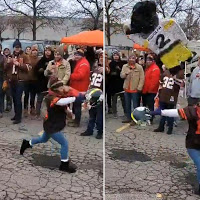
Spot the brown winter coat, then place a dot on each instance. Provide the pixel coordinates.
(21, 71)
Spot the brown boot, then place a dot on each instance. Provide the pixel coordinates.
(25, 112)
(33, 112)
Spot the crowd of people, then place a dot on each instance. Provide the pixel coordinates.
(61, 80)
(25, 79)
(139, 81)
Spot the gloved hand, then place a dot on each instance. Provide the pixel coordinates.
(80, 98)
(101, 98)
(156, 112)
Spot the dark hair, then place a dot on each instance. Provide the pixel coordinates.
(28, 47)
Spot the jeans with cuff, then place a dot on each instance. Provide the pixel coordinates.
(131, 102)
(195, 156)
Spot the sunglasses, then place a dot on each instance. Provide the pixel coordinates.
(132, 58)
(150, 59)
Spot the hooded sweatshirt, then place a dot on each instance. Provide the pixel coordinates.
(194, 87)
(18, 73)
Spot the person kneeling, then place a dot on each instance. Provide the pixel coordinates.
(95, 97)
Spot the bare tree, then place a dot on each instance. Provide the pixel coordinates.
(37, 11)
(115, 12)
(20, 24)
(187, 13)
(91, 11)
(191, 27)
(3, 25)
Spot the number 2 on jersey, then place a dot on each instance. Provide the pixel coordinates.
(161, 38)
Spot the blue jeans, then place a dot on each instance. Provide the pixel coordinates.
(131, 99)
(1, 96)
(17, 89)
(58, 137)
(170, 120)
(30, 88)
(96, 117)
(40, 97)
(77, 106)
(195, 156)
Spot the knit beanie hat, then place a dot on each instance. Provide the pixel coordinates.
(55, 83)
(48, 47)
(17, 43)
(115, 52)
(34, 47)
(79, 52)
(60, 50)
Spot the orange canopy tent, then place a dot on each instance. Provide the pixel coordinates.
(140, 48)
(87, 38)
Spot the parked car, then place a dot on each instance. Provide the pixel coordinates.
(25, 43)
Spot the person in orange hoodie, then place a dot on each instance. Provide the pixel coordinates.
(79, 80)
(151, 82)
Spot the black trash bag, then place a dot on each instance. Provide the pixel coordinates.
(144, 18)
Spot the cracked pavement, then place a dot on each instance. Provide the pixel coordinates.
(143, 165)
(36, 176)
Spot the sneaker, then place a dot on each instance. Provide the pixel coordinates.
(86, 134)
(68, 167)
(99, 136)
(1, 115)
(25, 145)
(158, 130)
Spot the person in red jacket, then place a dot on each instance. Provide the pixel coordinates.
(151, 83)
(79, 80)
